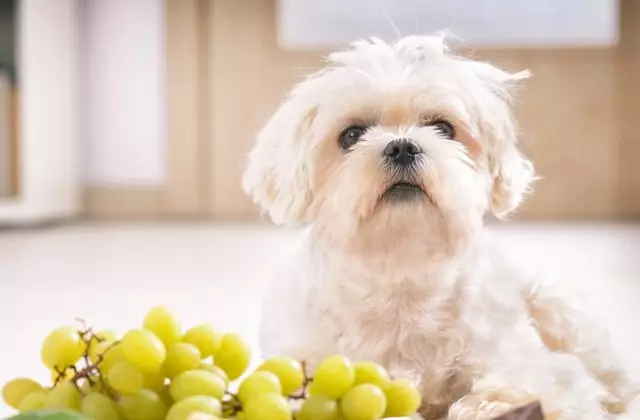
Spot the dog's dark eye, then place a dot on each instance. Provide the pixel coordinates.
(444, 127)
(350, 136)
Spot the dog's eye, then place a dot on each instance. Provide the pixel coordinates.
(350, 136)
(444, 127)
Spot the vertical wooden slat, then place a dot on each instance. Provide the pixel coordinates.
(184, 192)
(628, 110)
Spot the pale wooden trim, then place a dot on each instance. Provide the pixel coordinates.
(15, 144)
(124, 202)
(184, 193)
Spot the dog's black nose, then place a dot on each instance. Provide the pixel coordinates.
(402, 152)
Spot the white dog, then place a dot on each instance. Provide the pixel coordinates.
(392, 157)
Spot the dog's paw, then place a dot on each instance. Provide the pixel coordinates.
(489, 404)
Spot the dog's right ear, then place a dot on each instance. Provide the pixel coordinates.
(278, 173)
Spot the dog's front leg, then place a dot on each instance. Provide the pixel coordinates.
(565, 392)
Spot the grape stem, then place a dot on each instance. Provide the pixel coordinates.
(305, 384)
(232, 405)
(88, 337)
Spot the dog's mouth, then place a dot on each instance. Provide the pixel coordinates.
(404, 191)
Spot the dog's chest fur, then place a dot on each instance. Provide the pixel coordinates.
(407, 321)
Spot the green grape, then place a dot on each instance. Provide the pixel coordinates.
(143, 404)
(155, 381)
(15, 390)
(311, 390)
(181, 357)
(214, 369)
(33, 401)
(125, 378)
(164, 325)
(371, 373)
(62, 347)
(233, 356)
(363, 402)
(99, 407)
(333, 377)
(197, 382)
(64, 395)
(258, 383)
(403, 398)
(91, 384)
(204, 338)
(318, 407)
(107, 354)
(196, 404)
(106, 335)
(288, 371)
(144, 350)
(268, 407)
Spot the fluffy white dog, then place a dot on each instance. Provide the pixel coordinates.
(392, 157)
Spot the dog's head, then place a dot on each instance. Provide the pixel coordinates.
(390, 139)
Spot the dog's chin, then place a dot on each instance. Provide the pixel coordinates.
(404, 192)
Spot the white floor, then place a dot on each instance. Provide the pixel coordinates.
(111, 274)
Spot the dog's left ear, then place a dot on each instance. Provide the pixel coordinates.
(513, 174)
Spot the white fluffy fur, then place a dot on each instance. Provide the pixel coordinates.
(415, 285)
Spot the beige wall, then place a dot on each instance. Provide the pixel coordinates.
(578, 113)
(226, 76)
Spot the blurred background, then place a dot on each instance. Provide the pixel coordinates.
(124, 126)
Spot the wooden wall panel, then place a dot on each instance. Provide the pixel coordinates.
(578, 113)
(628, 111)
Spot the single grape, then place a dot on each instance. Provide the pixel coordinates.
(371, 373)
(61, 348)
(99, 407)
(90, 384)
(318, 407)
(33, 401)
(15, 390)
(181, 357)
(204, 338)
(403, 398)
(268, 407)
(125, 378)
(214, 369)
(288, 371)
(363, 402)
(144, 350)
(311, 390)
(259, 382)
(107, 354)
(106, 335)
(233, 356)
(64, 395)
(196, 404)
(143, 404)
(164, 325)
(68, 374)
(197, 382)
(333, 377)
(155, 381)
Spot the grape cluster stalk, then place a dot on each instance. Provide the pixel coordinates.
(160, 372)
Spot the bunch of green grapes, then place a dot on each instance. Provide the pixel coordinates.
(159, 372)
